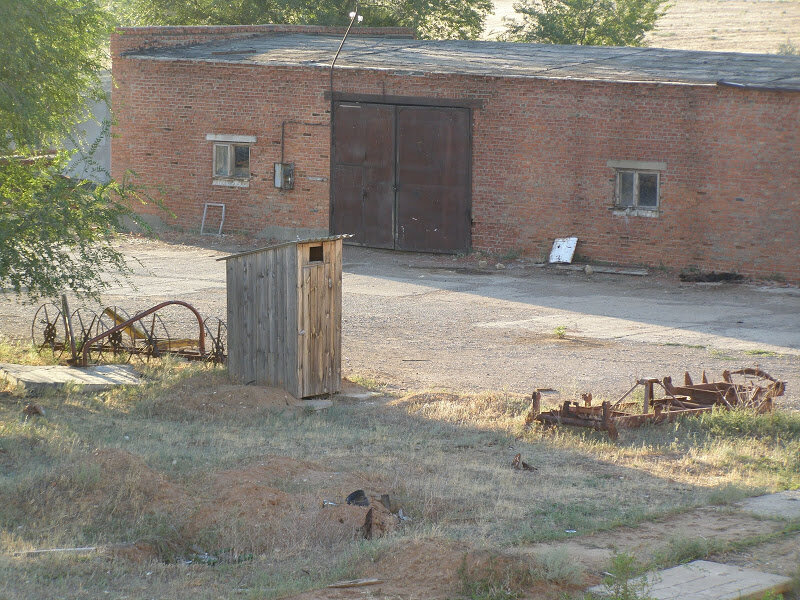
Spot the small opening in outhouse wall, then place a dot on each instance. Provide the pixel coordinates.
(315, 254)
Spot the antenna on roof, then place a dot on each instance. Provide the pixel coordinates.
(353, 17)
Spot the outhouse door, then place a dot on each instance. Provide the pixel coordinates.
(401, 176)
(319, 318)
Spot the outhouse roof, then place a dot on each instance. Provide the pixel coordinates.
(503, 59)
(316, 240)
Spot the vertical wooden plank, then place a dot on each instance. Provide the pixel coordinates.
(336, 315)
(317, 314)
(240, 319)
(258, 324)
(292, 329)
(248, 322)
(305, 332)
(295, 311)
(280, 316)
(326, 310)
(269, 318)
(232, 294)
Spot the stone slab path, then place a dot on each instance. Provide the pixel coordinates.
(784, 505)
(704, 580)
(36, 380)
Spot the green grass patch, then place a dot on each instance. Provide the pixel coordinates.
(758, 352)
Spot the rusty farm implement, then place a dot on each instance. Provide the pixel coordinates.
(110, 335)
(749, 389)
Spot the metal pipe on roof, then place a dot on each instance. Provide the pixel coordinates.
(341, 45)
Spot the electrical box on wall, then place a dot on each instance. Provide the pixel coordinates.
(284, 176)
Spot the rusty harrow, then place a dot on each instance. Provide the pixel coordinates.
(750, 388)
(111, 335)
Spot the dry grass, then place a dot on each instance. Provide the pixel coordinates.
(716, 25)
(160, 466)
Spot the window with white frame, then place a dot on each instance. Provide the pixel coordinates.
(231, 159)
(637, 185)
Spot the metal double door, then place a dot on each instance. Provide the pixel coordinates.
(401, 176)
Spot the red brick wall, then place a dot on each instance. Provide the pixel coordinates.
(729, 195)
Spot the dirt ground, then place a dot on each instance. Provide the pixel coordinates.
(417, 321)
(715, 25)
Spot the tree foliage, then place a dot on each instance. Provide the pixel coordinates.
(436, 19)
(587, 22)
(55, 233)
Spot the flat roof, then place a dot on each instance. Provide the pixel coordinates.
(495, 59)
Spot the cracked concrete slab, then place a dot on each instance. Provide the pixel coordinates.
(37, 379)
(783, 505)
(705, 580)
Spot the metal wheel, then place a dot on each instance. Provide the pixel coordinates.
(157, 342)
(117, 347)
(47, 330)
(216, 340)
(83, 326)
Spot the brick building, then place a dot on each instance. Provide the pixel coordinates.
(648, 156)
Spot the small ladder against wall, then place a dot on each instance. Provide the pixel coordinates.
(205, 212)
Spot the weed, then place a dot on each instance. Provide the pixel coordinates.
(681, 550)
(510, 254)
(693, 346)
(367, 381)
(788, 48)
(558, 566)
(625, 580)
(758, 352)
(25, 354)
(491, 581)
(744, 424)
(560, 331)
(731, 493)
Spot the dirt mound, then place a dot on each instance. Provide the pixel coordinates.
(441, 569)
(250, 510)
(211, 393)
(276, 504)
(112, 481)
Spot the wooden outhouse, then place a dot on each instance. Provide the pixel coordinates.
(285, 316)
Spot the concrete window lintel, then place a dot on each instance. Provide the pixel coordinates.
(234, 139)
(638, 165)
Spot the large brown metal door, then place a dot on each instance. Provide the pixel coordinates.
(433, 183)
(363, 173)
(401, 176)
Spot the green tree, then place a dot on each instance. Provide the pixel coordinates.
(587, 22)
(55, 233)
(434, 19)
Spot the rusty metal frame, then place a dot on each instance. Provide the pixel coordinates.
(689, 399)
(121, 326)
